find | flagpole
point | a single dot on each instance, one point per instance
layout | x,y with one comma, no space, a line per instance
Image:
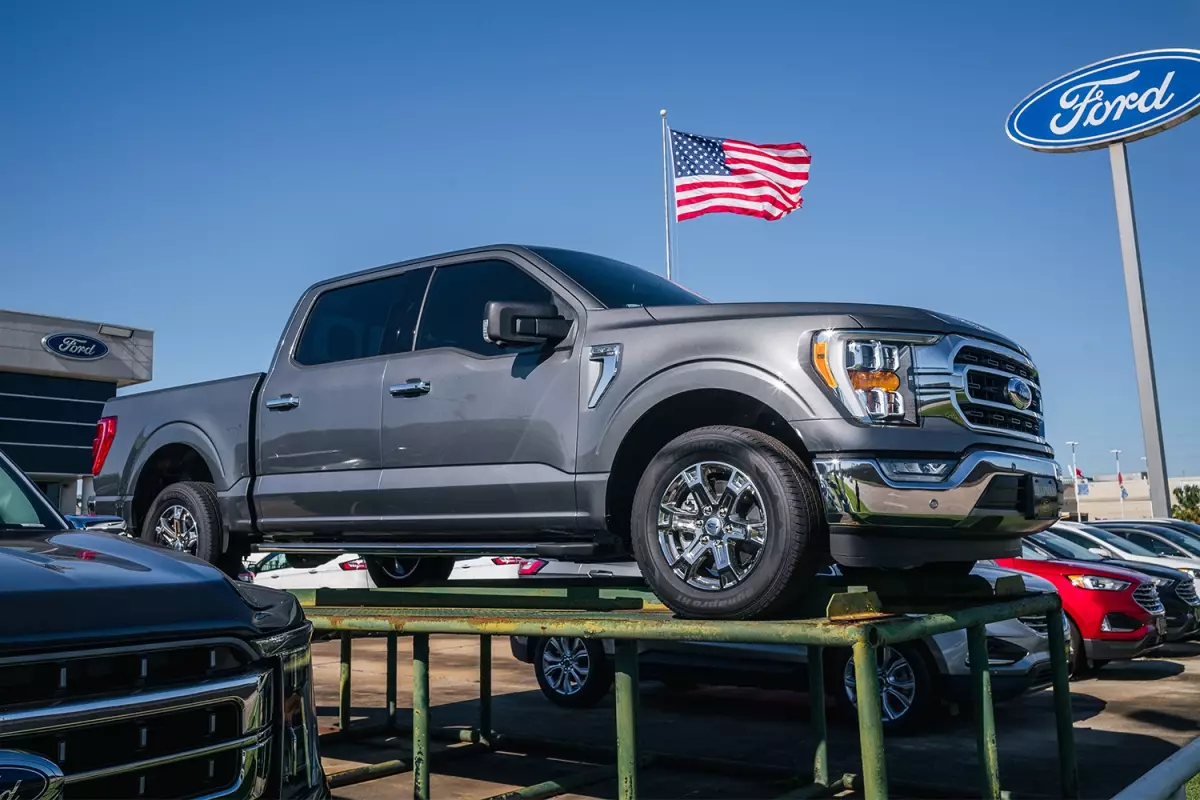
666,187
1075,480
1120,482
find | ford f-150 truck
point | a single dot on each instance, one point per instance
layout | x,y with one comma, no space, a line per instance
127,670
512,400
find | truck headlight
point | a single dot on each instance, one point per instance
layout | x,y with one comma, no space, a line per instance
297,743
869,371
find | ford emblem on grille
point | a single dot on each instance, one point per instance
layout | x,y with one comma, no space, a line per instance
76,346
25,776
1020,394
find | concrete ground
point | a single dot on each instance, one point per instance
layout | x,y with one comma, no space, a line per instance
1127,719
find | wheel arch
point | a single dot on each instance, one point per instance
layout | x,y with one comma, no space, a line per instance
175,452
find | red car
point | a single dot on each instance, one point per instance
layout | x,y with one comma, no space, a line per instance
1114,613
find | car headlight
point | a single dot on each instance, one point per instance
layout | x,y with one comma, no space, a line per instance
1164,583
869,372
1098,583
1195,573
300,758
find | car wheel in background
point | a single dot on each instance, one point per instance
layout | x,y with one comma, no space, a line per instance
184,518
906,692
394,571
572,672
726,524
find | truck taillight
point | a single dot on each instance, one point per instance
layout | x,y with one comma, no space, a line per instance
531,566
353,565
106,431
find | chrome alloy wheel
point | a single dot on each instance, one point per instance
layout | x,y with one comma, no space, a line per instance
566,664
712,525
897,683
176,528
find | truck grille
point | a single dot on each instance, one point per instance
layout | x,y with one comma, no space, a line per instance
1186,591
1146,596
184,720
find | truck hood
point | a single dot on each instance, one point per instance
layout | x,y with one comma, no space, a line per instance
82,588
865,315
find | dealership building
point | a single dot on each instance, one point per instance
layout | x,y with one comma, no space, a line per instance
55,375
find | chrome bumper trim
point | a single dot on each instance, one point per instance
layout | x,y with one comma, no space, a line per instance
856,492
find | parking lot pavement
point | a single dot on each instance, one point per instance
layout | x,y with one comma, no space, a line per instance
1127,719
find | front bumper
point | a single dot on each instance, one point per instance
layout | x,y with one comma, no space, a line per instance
1120,649
980,511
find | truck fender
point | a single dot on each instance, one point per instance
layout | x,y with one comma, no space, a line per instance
734,376
178,433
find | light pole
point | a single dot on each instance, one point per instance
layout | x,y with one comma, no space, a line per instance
1075,481
1120,482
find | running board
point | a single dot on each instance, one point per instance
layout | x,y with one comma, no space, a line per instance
564,551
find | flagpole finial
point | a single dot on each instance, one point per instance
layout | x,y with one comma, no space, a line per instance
663,113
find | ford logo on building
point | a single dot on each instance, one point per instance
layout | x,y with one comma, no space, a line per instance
1119,100
76,346
25,776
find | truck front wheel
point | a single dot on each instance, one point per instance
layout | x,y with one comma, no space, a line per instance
726,524
184,518
393,572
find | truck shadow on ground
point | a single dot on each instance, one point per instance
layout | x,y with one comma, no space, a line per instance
771,728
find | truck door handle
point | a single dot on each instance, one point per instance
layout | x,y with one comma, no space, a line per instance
413,387
283,403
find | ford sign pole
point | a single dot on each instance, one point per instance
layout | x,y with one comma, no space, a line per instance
1108,104
1139,324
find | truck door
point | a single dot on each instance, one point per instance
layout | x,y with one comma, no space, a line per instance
477,437
319,411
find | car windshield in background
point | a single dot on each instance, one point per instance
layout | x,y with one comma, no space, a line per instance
1063,548
21,507
1188,543
617,284
1118,543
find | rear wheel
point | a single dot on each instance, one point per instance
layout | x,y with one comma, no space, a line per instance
184,518
572,672
390,572
906,694
726,524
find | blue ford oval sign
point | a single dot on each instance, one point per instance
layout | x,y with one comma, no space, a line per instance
75,345
1119,100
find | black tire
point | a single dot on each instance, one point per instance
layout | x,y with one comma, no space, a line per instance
920,706
796,534
558,685
1077,663
391,572
173,506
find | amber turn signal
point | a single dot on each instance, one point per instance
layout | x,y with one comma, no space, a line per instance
888,381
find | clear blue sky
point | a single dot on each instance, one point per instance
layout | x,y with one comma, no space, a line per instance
191,167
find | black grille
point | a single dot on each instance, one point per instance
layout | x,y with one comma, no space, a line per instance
95,714
981,357
992,417
994,389
1146,596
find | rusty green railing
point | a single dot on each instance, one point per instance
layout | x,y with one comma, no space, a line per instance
854,619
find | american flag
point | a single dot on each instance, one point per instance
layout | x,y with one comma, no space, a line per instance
725,175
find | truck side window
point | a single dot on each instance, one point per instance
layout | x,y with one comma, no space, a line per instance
363,320
453,314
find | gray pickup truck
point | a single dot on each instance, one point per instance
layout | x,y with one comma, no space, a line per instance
535,401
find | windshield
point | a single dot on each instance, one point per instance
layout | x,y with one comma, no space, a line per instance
22,507
617,284
1063,548
1119,544
1188,543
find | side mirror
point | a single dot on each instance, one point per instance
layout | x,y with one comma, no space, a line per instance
516,324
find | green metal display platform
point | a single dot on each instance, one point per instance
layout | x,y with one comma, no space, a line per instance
850,617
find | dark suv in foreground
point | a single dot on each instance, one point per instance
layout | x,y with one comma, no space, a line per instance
127,670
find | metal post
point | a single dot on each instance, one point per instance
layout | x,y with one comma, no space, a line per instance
391,679
816,699
344,705
668,168
981,690
1121,485
420,714
870,721
1139,324
1057,640
1075,481
627,702
485,688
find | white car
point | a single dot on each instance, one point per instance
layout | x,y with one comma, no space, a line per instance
349,571
1107,543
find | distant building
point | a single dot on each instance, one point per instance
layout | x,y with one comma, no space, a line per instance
55,375
1103,499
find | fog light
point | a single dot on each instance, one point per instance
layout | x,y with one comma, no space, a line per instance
928,470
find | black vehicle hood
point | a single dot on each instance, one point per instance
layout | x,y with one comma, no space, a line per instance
1152,570
867,315
71,587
